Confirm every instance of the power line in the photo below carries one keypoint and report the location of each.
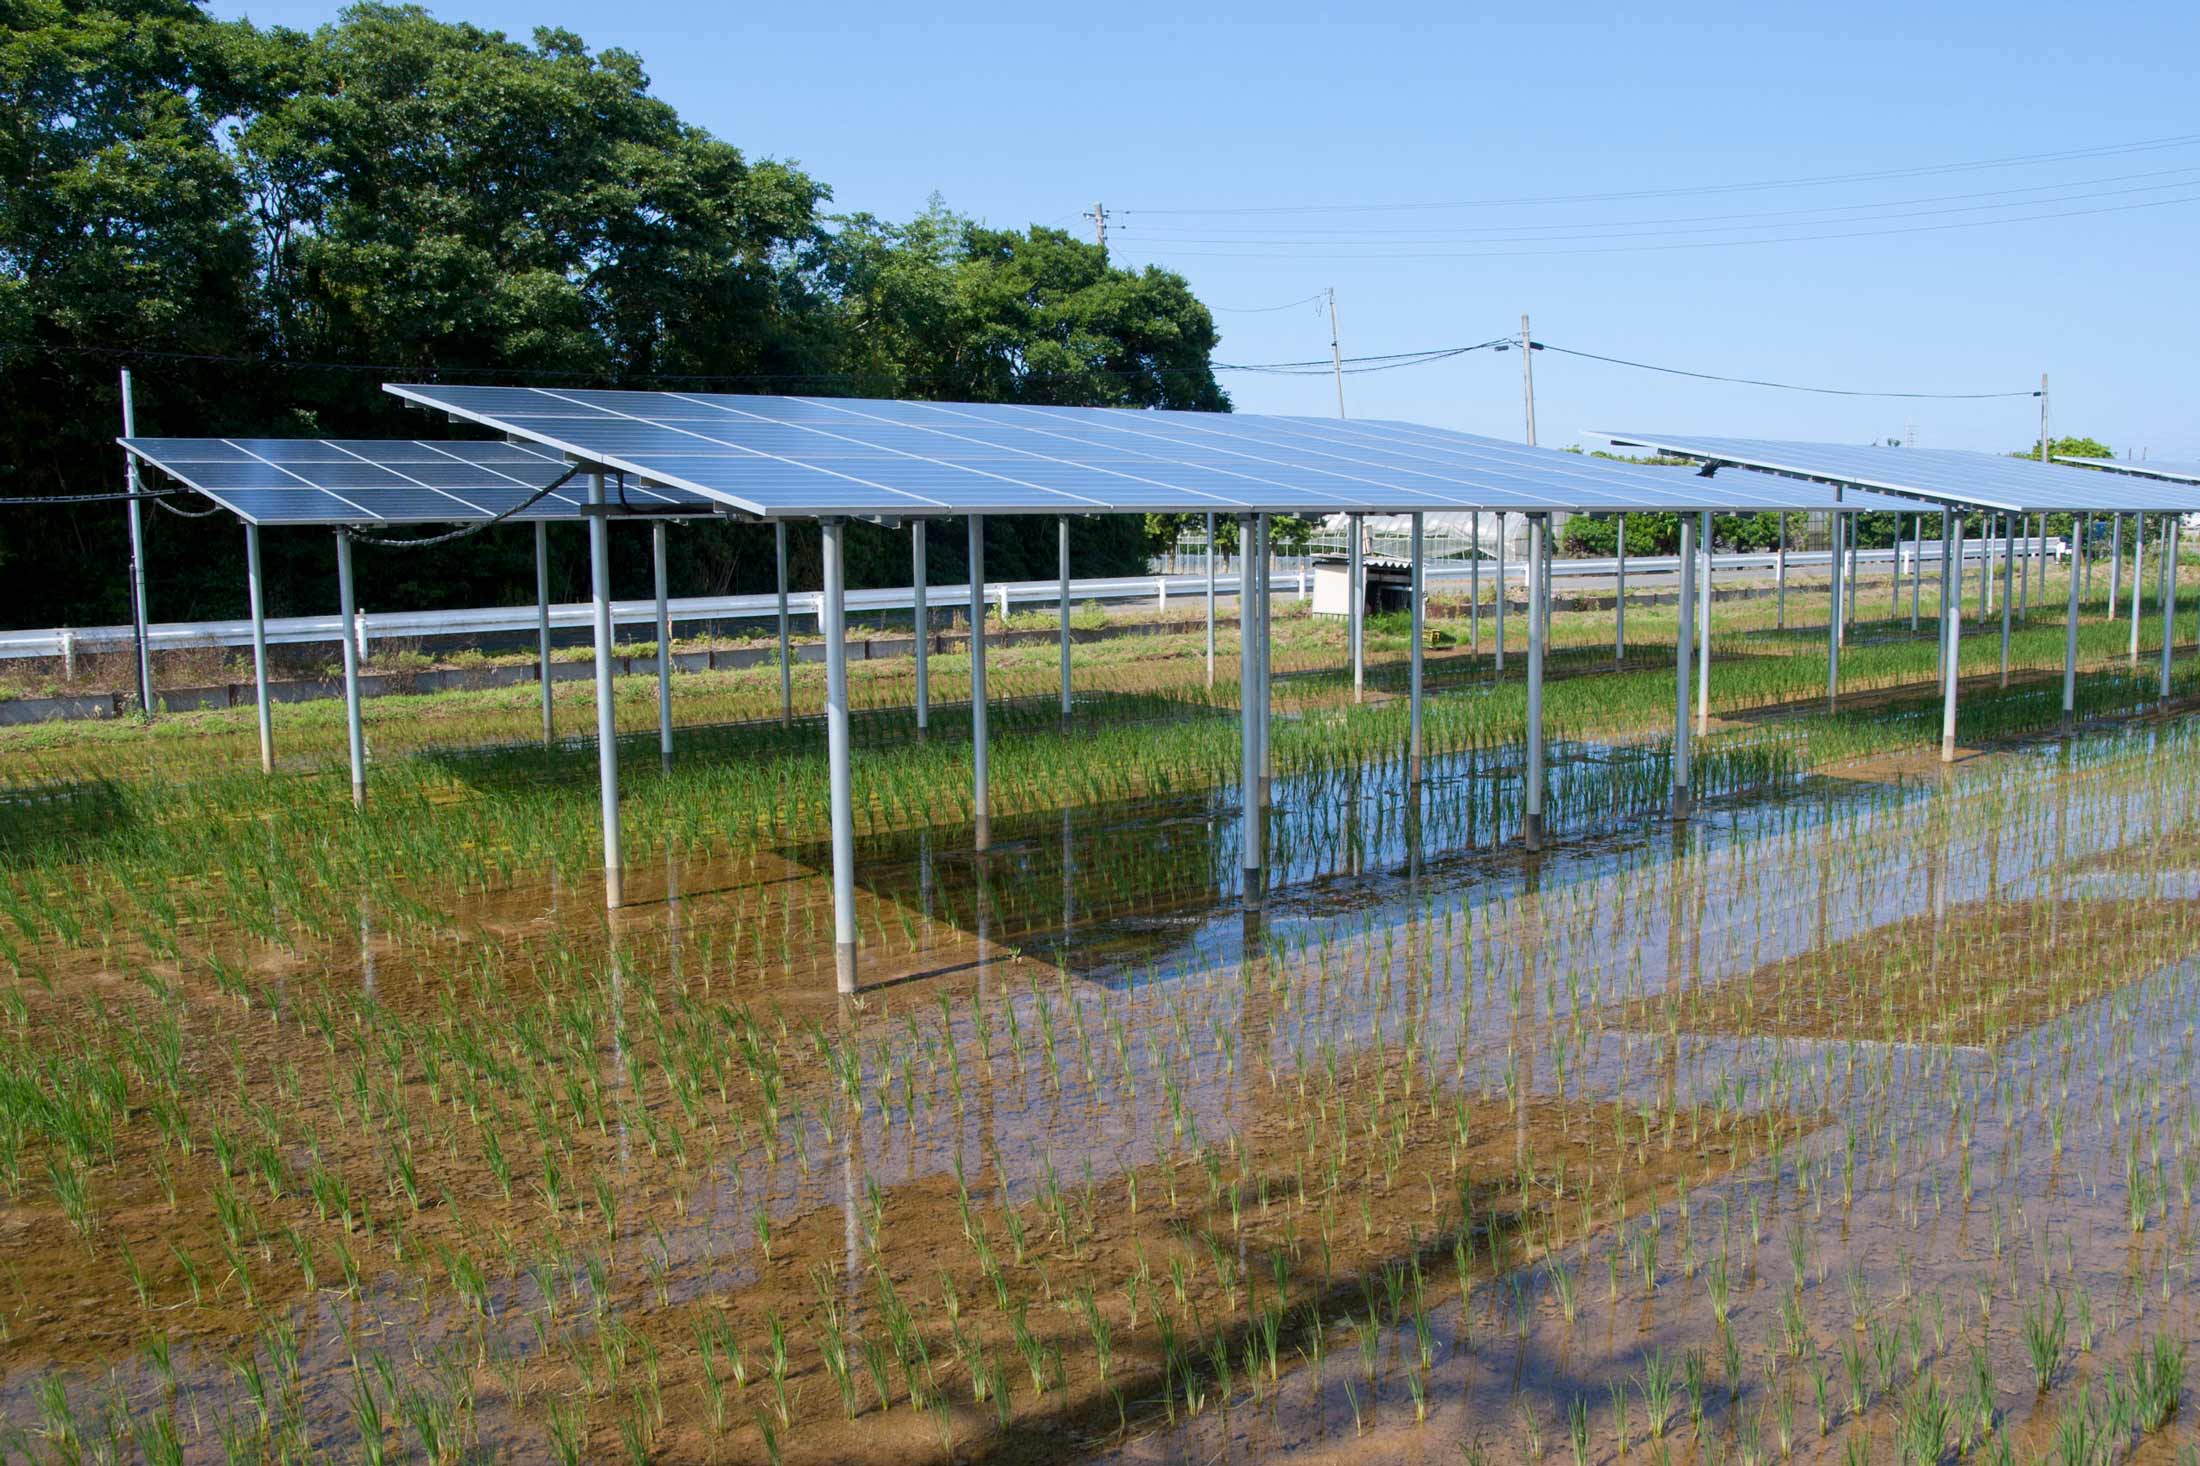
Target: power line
(1262, 310)
(1782, 386)
(1824, 180)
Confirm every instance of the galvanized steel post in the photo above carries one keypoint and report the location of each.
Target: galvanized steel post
(836, 757)
(1684, 631)
(607, 725)
(664, 646)
(1703, 628)
(1062, 568)
(786, 661)
(922, 620)
(257, 592)
(542, 628)
(981, 814)
(1248, 725)
(356, 733)
(1951, 610)
(1356, 606)
(1413, 716)
(1538, 635)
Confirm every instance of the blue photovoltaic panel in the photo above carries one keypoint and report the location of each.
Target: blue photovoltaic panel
(2177, 473)
(803, 457)
(331, 481)
(1944, 475)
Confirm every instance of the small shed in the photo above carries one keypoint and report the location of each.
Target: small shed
(1389, 584)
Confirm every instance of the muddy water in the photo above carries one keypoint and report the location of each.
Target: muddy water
(1126, 1068)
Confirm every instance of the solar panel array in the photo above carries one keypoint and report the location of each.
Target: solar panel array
(332, 481)
(804, 457)
(1975, 480)
(2180, 473)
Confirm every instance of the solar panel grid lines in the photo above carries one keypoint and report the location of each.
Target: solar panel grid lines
(1950, 476)
(2172, 472)
(810, 457)
(359, 481)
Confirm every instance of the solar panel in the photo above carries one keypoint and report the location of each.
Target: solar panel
(1944, 475)
(2178, 473)
(332, 481)
(805, 457)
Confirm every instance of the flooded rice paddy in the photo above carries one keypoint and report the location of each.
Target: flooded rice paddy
(1852, 1119)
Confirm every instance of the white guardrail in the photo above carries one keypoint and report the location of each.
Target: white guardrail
(68, 643)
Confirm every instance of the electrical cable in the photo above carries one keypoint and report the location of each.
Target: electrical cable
(387, 543)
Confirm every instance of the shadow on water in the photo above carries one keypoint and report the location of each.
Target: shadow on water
(40, 821)
(1118, 893)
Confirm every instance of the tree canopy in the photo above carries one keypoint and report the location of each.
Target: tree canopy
(265, 224)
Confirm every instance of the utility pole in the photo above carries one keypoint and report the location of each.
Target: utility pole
(1336, 352)
(138, 615)
(1527, 374)
(2043, 417)
(1099, 216)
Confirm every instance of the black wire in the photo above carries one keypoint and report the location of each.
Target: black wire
(161, 502)
(386, 543)
(116, 497)
(1782, 386)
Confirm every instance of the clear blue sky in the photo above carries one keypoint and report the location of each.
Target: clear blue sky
(1028, 114)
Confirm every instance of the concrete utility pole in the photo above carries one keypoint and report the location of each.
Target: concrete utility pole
(2043, 417)
(1336, 352)
(138, 615)
(1527, 374)
(1099, 216)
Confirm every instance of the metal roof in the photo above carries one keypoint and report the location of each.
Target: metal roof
(1943, 475)
(332, 481)
(809, 457)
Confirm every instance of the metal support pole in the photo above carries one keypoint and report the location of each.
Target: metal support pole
(1703, 628)
(836, 757)
(2115, 560)
(1061, 554)
(1833, 617)
(2024, 578)
(1211, 602)
(2169, 595)
(2008, 560)
(1780, 578)
(1500, 595)
(1684, 631)
(1619, 598)
(1985, 567)
(1356, 605)
(1538, 637)
(2070, 654)
(664, 646)
(921, 619)
(1835, 532)
(139, 612)
(1474, 586)
(1917, 565)
(1849, 602)
(345, 604)
(2138, 578)
(1413, 684)
(1951, 611)
(980, 813)
(542, 628)
(1264, 603)
(257, 591)
(786, 655)
(1248, 724)
(607, 726)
